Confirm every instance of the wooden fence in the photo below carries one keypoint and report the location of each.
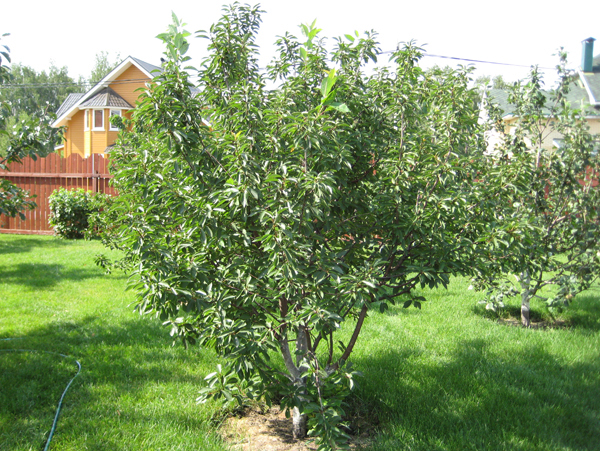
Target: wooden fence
(42, 176)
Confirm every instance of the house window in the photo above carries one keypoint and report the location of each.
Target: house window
(98, 119)
(114, 113)
(86, 120)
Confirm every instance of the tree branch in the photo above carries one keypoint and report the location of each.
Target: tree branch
(361, 318)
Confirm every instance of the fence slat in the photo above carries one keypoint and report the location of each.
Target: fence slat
(43, 176)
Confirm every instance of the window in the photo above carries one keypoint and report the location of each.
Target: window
(98, 119)
(86, 120)
(114, 113)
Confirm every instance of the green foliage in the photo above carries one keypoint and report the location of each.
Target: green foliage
(496, 82)
(298, 210)
(30, 91)
(29, 136)
(553, 205)
(71, 210)
(4, 69)
(13, 200)
(103, 66)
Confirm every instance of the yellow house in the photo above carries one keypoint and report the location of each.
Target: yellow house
(87, 116)
(584, 94)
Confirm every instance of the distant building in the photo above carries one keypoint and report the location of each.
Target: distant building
(87, 116)
(584, 94)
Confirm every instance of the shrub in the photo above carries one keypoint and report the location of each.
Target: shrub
(70, 211)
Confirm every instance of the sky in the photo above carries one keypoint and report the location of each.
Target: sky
(517, 32)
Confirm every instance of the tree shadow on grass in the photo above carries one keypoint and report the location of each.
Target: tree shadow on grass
(481, 399)
(43, 275)
(18, 244)
(132, 382)
(582, 314)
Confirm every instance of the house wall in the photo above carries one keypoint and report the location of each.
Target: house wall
(128, 82)
(86, 143)
(75, 142)
(551, 135)
(100, 138)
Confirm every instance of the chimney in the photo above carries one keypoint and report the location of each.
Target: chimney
(587, 54)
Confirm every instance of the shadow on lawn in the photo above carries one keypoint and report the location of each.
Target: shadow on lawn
(17, 244)
(43, 275)
(582, 314)
(126, 365)
(525, 400)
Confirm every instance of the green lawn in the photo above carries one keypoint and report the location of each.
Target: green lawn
(440, 378)
(135, 391)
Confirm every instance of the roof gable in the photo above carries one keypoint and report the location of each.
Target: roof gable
(106, 98)
(71, 105)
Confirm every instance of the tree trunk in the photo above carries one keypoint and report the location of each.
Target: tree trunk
(525, 297)
(298, 424)
(299, 421)
(299, 427)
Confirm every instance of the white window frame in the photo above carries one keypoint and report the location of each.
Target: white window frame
(86, 120)
(110, 115)
(94, 128)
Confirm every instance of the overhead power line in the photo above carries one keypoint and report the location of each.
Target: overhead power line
(485, 62)
(67, 84)
(129, 81)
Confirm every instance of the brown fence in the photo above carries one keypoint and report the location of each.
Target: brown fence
(42, 176)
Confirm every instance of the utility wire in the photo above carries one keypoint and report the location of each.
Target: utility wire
(129, 81)
(484, 62)
(67, 84)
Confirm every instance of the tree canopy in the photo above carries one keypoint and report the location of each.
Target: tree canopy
(262, 220)
(103, 66)
(30, 91)
(555, 205)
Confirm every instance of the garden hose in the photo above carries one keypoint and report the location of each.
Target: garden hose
(47, 445)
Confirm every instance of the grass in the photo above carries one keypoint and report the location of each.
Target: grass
(441, 378)
(135, 391)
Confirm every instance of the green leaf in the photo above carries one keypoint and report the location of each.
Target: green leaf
(342, 107)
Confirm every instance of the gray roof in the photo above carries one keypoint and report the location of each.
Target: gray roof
(577, 96)
(68, 103)
(592, 81)
(596, 64)
(110, 99)
(106, 98)
(150, 68)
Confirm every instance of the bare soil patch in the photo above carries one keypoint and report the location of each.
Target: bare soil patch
(270, 430)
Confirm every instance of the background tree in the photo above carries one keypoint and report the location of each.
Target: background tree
(487, 81)
(29, 135)
(103, 66)
(30, 91)
(554, 195)
(297, 210)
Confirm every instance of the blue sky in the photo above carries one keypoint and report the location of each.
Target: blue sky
(70, 33)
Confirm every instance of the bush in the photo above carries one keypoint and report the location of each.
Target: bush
(70, 211)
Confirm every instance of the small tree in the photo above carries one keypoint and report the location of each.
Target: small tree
(555, 202)
(103, 66)
(260, 221)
